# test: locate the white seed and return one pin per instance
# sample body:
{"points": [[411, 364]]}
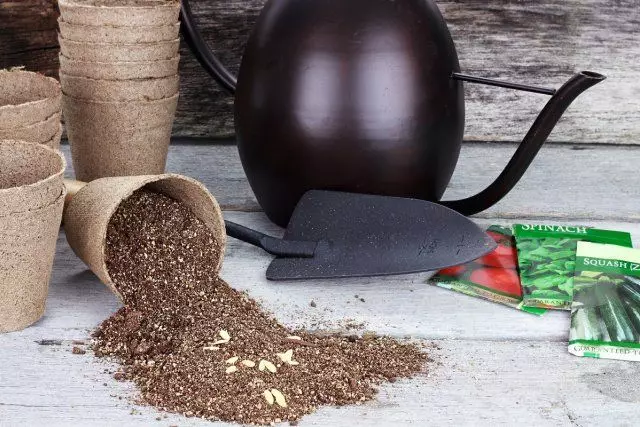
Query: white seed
{"points": [[294, 337], [286, 356], [225, 335], [268, 397], [220, 342], [248, 363], [231, 369], [270, 367], [293, 363], [265, 364], [232, 361], [279, 397], [211, 348]]}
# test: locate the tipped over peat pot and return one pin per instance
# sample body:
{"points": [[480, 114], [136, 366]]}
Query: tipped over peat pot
{"points": [[89, 208], [361, 96]]}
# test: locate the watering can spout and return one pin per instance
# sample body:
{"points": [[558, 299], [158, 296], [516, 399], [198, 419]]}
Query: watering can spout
{"points": [[532, 142]]}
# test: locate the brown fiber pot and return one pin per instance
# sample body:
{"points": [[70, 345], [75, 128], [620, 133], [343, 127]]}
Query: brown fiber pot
{"points": [[30, 176], [27, 98], [127, 152], [119, 90], [97, 116], [55, 141], [31, 200], [87, 215], [112, 52], [120, 12], [37, 133], [120, 70], [121, 138], [122, 35]]}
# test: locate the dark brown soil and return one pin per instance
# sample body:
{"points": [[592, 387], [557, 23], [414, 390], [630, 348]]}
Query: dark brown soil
{"points": [[170, 336]]}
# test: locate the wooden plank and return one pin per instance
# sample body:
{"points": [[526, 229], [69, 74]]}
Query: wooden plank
{"points": [[496, 365], [493, 353], [426, 312], [580, 182], [28, 35], [30, 15], [78, 302], [534, 41], [544, 43], [476, 382]]}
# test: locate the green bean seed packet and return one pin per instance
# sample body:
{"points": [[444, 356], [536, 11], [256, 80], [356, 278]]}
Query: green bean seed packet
{"points": [[605, 314], [547, 259]]}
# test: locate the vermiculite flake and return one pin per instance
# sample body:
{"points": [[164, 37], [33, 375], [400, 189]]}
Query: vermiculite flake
{"points": [[182, 328]]}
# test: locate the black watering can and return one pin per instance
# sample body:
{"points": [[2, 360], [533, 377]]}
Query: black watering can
{"points": [[362, 96]]}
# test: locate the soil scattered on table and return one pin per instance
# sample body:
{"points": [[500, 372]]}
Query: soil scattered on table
{"points": [[196, 346], [78, 350]]}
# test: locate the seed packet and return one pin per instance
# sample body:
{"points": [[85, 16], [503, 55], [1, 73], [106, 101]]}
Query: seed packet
{"points": [[605, 314], [493, 277], [546, 257]]}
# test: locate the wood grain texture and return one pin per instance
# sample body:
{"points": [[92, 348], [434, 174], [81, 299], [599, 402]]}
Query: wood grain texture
{"points": [[494, 365], [539, 42], [583, 182], [533, 41], [28, 35], [478, 383], [490, 359]]}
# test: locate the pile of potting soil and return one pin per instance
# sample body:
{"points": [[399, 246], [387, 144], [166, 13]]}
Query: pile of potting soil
{"points": [[194, 345]]}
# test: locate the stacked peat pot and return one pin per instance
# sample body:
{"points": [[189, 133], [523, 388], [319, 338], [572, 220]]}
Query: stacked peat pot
{"points": [[32, 196], [119, 75], [30, 108]]}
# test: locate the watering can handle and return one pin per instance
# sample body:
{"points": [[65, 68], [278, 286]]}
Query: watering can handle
{"points": [[201, 51], [532, 142], [517, 166]]}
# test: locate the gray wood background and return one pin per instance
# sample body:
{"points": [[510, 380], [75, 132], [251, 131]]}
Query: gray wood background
{"points": [[494, 366], [534, 41]]}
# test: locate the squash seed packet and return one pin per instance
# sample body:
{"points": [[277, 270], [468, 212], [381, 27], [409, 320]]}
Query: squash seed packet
{"points": [[605, 314], [493, 277], [546, 257]]}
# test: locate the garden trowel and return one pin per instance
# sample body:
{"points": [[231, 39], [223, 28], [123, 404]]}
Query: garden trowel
{"points": [[334, 234]]}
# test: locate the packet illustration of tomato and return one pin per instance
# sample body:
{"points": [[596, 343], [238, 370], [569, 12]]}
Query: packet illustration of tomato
{"points": [[493, 277]]}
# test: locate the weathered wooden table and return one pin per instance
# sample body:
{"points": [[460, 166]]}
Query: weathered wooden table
{"points": [[492, 365]]}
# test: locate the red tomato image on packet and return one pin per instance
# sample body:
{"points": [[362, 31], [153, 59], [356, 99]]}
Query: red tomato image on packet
{"points": [[505, 255], [499, 279], [493, 277]]}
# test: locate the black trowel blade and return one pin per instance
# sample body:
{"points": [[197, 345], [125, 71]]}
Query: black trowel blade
{"points": [[366, 235]]}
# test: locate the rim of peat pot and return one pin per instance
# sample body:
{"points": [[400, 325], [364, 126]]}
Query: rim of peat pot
{"points": [[37, 173]]}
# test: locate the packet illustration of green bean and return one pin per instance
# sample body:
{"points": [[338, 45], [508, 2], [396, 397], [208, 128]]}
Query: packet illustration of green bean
{"points": [[546, 257], [605, 314]]}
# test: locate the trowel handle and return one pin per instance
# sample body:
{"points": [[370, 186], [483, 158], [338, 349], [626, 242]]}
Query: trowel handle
{"points": [[274, 246], [73, 187]]}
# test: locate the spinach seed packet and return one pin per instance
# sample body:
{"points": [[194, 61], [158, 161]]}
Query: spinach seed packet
{"points": [[546, 257], [493, 277], [605, 314]]}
